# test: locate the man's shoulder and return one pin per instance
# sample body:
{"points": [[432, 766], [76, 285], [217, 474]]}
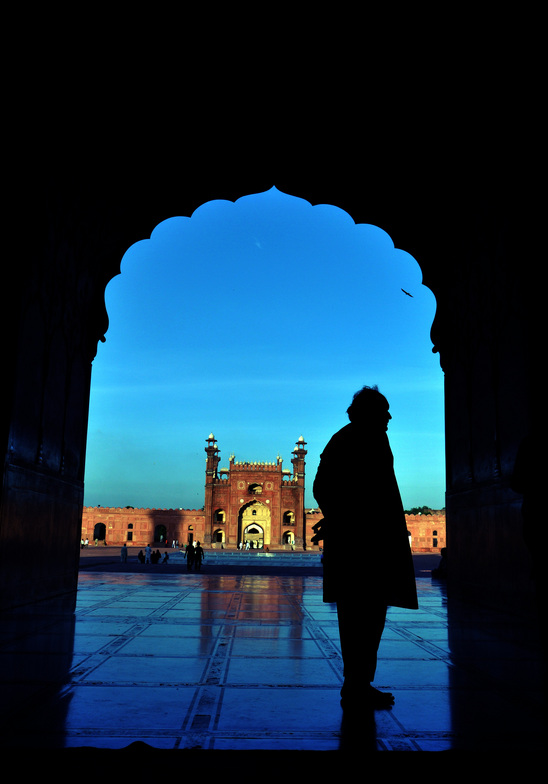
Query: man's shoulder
{"points": [[346, 433]]}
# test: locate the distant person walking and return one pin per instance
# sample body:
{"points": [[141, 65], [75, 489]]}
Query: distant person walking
{"points": [[123, 554], [148, 553], [199, 556], [189, 554], [363, 593]]}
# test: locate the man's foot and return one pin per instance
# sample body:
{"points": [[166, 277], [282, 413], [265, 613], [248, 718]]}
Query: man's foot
{"points": [[368, 698], [380, 699]]}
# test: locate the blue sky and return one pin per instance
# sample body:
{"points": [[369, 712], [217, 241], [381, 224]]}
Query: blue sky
{"points": [[257, 321]]}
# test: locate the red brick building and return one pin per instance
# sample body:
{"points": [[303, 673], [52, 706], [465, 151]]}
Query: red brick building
{"points": [[140, 527], [256, 504], [426, 532]]}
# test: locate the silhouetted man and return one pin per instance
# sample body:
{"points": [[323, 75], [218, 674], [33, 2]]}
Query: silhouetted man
{"points": [[367, 558]]}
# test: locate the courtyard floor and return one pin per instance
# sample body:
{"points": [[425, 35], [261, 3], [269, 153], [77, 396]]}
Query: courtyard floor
{"points": [[219, 662]]}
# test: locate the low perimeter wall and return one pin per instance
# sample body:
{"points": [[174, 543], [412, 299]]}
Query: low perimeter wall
{"points": [[139, 527]]}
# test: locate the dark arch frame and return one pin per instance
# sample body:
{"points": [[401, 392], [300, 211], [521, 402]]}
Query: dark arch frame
{"points": [[476, 253]]}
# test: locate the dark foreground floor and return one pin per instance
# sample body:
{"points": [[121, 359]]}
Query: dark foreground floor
{"points": [[215, 662]]}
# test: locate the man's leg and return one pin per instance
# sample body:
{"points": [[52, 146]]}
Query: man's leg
{"points": [[360, 628]]}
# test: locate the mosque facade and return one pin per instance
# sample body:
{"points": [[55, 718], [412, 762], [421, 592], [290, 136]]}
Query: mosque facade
{"points": [[254, 504], [247, 504]]}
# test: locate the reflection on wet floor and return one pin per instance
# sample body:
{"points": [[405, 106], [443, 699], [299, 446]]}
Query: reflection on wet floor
{"points": [[228, 662]]}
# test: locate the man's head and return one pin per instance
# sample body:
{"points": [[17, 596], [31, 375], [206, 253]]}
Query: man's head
{"points": [[369, 408]]}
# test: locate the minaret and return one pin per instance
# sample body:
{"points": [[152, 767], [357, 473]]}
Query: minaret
{"points": [[298, 461], [212, 460], [299, 453]]}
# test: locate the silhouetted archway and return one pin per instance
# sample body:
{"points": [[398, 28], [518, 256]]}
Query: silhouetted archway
{"points": [[474, 242]]}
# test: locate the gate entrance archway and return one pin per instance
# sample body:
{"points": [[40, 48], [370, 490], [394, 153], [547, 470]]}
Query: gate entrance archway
{"points": [[254, 525], [253, 537], [99, 532]]}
